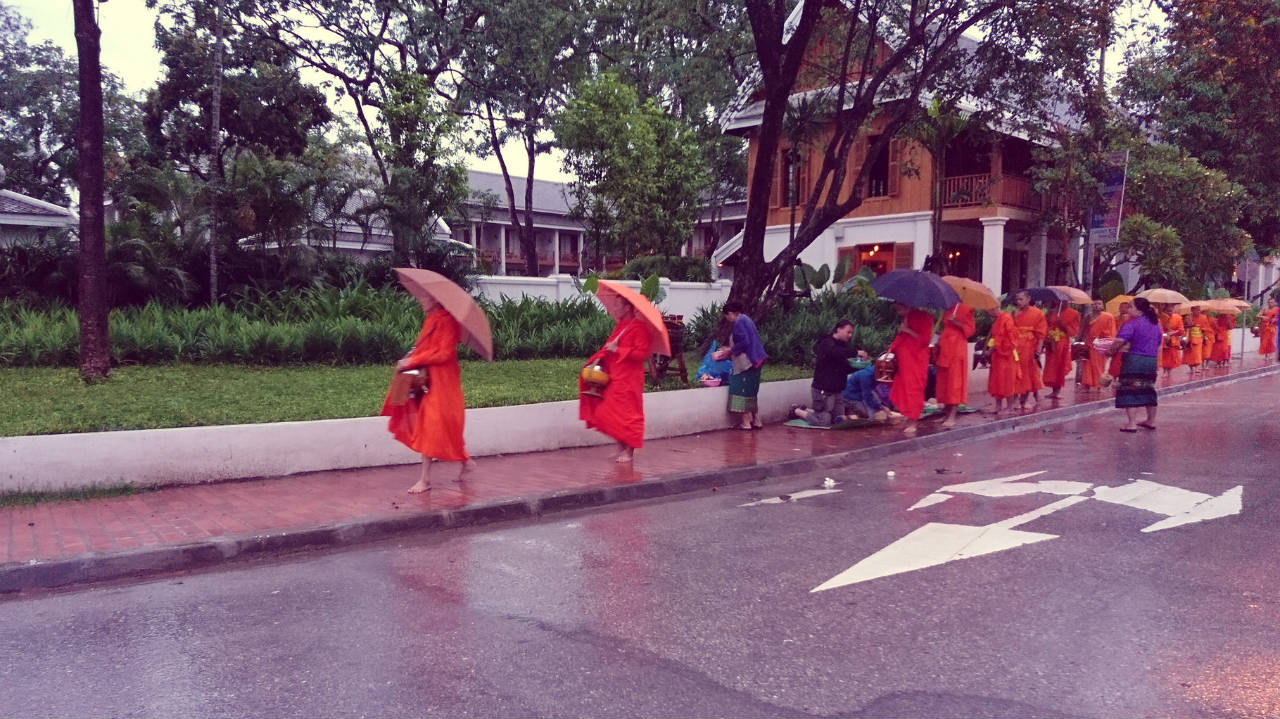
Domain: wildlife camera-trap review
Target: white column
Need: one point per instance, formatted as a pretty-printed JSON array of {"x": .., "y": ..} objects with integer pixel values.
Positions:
[
  {"x": 1036, "y": 259},
  {"x": 555, "y": 247},
  {"x": 473, "y": 234},
  {"x": 993, "y": 252},
  {"x": 922, "y": 245},
  {"x": 502, "y": 251},
  {"x": 1074, "y": 256}
]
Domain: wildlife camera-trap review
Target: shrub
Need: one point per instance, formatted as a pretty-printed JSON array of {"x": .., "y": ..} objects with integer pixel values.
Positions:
[
  {"x": 677, "y": 269},
  {"x": 789, "y": 335}
]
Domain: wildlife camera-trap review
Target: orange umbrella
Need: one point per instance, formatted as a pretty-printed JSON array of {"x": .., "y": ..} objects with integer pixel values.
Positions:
[
  {"x": 1222, "y": 307},
  {"x": 1185, "y": 307},
  {"x": 1161, "y": 296},
  {"x": 427, "y": 286},
  {"x": 1074, "y": 296},
  {"x": 972, "y": 293},
  {"x": 617, "y": 297}
]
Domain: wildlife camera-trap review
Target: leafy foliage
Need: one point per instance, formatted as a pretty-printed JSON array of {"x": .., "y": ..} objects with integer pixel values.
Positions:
[
  {"x": 789, "y": 337},
  {"x": 1210, "y": 85},
  {"x": 1154, "y": 248},
  {"x": 676, "y": 269},
  {"x": 639, "y": 171},
  {"x": 39, "y": 114}
]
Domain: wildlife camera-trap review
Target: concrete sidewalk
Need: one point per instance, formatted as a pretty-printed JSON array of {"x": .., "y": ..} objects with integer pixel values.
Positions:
[{"x": 63, "y": 543}]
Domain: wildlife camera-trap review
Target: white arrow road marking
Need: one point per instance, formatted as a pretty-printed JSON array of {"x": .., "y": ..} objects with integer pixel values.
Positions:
[
  {"x": 1151, "y": 496},
  {"x": 1224, "y": 505},
  {"x": 938, "y": 543},
  {"x": 794, "y": 495},
  {"x": 1005, "y": 487}
]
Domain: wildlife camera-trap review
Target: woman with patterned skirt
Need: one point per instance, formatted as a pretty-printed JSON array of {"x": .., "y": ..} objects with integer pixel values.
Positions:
[{"x": 1141, "y": 339}]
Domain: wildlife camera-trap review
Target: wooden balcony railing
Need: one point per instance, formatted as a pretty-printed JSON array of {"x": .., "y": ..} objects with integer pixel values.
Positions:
[{"x": 1008, "y": 190}]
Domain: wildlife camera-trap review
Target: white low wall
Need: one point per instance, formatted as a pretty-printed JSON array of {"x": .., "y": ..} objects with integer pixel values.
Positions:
[
  {"x": 190, "y": 455},
  {"x": 682, "y": 298}
]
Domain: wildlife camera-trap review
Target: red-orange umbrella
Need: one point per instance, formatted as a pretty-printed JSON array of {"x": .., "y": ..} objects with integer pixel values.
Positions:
[
  {"x": 426, "y": 286},
  {"x": 617, "y": 297}
]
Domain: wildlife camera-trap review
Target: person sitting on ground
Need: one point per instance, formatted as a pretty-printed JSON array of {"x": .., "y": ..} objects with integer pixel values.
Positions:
[
  {"x": 861, "y": 395},
  {"x": 830, "y": 369},
  {"x": 712, "y": 368}
]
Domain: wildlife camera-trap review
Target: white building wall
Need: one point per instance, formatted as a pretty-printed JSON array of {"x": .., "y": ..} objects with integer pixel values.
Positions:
[
  {"x": 911, "y": 228},
  {"x": 682, "y": 298}
]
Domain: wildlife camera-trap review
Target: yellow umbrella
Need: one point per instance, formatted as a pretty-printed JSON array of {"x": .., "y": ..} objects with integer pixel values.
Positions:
[
  {"x": 972, "y": 293},
  {"x": 1113, "y": 305},
  {"x": 1074, "y": 296},
  {"x": 1161, "y": 296},
  {"x": 1238, "y": 304}
]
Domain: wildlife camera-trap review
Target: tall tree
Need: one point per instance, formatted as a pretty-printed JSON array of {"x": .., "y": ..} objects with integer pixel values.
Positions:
[
  {"x": 1212, "y": 87},
  {"x": 39, "y": 114},
  {"x": 368, "y": 49},
  {"x": 937, "y": 130},
  {"x": 639, "y": 172},
  {"x": 95, "y": 350},
  {"x": 875, "y": 60},
  {"x": 514, "y": 83},
  {"x": 225, "y": 107},
  {"x": 689, "y": 56}
]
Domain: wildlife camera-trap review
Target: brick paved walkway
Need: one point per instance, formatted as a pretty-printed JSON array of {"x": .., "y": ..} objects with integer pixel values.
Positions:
[{"x": 186, "y": 514}]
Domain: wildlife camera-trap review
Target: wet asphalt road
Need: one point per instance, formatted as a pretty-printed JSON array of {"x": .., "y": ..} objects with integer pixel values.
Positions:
[{"x": 697, "y": 606}]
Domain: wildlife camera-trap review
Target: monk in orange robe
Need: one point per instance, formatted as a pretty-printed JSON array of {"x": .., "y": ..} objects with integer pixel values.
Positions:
[
  {"x": 1032, "y": 329},
  {"x": 1222, "y": 346},
  {"x": 1210, "y": 338},
  {"x": 1001, "y": 379},
  {"x": 1199, "y": 329},
  {"x": 952, "y": 382},
  {"x": 432, "y": 424},
  {"x": 1102, "y": 325},
  {"x": 619, "y": 411},
  {"x": 1174, "y": 328},
  {"x": 1117, "y": 359},
  {"x": 1064, "y": 326},
  {"x": 911, "y": 348},
  {"x": 1267, "y": 328}
]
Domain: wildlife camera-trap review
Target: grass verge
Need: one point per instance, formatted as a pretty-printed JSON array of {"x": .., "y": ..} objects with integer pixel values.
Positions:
[
  {"x": 23, "y": 498},
  {"x": 55, "y": 401}
]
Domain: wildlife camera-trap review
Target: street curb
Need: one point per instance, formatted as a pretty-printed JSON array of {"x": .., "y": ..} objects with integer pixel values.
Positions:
[{"x": 218, "y": 550}]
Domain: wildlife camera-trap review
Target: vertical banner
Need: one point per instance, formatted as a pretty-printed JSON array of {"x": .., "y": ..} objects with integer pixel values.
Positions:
[{"x": 1104, "y": 221}]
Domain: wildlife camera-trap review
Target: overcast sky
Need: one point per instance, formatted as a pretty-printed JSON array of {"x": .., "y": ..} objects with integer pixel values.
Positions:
[{"x": 128, "y": 50}]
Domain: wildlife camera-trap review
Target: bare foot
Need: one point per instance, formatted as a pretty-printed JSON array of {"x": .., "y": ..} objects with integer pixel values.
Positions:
[
  {"x": 468, "y": 467},
  {"x": 910, "y": 429},
  {"x": 625, "y": 456},
  {"x": 419, "y": 488},
  {"x": 948, "y": 423}
]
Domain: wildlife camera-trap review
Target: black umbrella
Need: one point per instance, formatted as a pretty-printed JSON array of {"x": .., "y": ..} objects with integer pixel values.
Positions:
[
  {"x": 1045, "y": 295},
  {"x": 915, "y": 288}
]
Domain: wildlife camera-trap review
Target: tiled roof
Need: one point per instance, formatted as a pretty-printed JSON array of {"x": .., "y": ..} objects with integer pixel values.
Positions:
[
  {"x": 547, "y": 196},
  {"x": 14, "y": 204}
]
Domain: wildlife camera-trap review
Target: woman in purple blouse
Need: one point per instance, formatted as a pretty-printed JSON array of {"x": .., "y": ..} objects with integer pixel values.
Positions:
[{"x": 1140, "y": 340}]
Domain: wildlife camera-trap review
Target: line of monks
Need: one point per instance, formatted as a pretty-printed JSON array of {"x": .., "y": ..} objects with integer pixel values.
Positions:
[
  {"x": 1017, "y": 339},
  {"x": 432, "y": 424}
]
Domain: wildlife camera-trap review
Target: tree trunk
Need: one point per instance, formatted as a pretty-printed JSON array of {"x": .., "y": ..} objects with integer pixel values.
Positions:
[
  {"x": 937, "y": 168},
  {"x": 95, "y": 352},
  {"x": 528, "y": 237}
]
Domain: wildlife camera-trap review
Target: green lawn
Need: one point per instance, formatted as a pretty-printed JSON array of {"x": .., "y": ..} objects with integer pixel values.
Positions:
[{"x": 54, "y": 401}]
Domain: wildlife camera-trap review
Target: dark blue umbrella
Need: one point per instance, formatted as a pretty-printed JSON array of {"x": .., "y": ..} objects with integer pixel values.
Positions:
[
  {"x": 1043, "y": 295},
  {"x": 915, "y": 288}
]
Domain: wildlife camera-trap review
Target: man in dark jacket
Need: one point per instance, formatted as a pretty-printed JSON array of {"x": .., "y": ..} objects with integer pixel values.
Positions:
[{"x": 830, "y": 370}]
